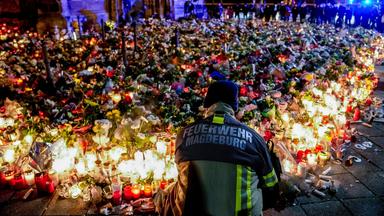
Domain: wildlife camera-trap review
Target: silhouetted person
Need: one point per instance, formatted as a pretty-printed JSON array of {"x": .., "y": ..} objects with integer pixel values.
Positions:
[
  {"x": 303, "y": 12},
  {"x": 295, "y": 12},
  {"x": 348, "y": 15}
]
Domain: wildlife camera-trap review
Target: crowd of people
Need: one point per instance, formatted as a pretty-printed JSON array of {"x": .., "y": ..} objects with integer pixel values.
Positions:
[{"x": 367, "y": 16}]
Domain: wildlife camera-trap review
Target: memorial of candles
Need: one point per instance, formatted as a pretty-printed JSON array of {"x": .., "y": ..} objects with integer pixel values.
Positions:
[{"x": 115, "y": 136}]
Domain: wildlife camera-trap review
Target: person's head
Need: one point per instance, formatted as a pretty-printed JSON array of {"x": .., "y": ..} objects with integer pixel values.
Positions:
[{"x": 222, "y": 91}]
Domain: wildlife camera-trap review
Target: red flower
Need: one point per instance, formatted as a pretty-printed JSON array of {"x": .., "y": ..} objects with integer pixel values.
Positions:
[
  {"x": 128, "y": 98},
  {"x": 89, "y": 93},
  {"x": 368, "y": 102},
  {"x": 110, "y": 73},
  {"x": 82, "y": 129},
  {"x": 300, "y": 156},
  {"x": 319, "y": 148},
  {"x": 20, "y": 116},
  {"x": 356, "y": 115},
  {"x": 2, "y": 109},
  {"x": 243, "y": 91},
  {"x": 307, "y": 151},
  {"x": 268, "y": 135}
]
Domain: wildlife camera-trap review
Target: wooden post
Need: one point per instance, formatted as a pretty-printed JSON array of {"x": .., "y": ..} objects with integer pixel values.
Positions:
[
  {"x": 102, "y": 29},
  {"x": 177, "y": 37},
  {"x": 124, "y": 52},
  {"x": 135, "y": 34},
  {"x": 46, "y": 63},
  {"x": 79, "y": 23}
]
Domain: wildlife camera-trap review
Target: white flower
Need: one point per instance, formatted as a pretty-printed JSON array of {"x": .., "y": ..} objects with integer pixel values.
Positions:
[{"x": 161, "y": 147}]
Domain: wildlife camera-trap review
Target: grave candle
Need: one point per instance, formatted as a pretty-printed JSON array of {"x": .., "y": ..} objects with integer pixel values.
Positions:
[
  {"x": 147, "y": 190},
  {"x": 116, "y": 197},
  {"x": 9, "y": 175},
  {"x": 311, "y": 159},
  {"x": 75, "y": 191},
  {"x": 136, "y": 191},
  {"x": 323, "y": 158},
  {"x": 128, "y": 193},
  {"x": 163, "y": 184},
  {"x": 29, "y": 177},
  {"x": 17, "y": 182},
  {"x": 50, "y": 186},
  {"x": 40, "y": 180}
]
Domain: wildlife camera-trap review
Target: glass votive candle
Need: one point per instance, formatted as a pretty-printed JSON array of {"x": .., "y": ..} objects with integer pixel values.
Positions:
[
  {"x": 8, "y": 176},
  {"x": 29, "y": 177},
  {"x": 136, "y": 191},
  {"x": 147, "y": 190},
  {"x": 75, "y": 191},
  {"x": 50, "y": 186},
  {"x": 301, "y": 169},
  {"x": 18, "y": 182},
  {"x": 323, "y": 158},
  {"x": 163, "y": 184},
  {"x": 40, "y": 181},
  {"x": 116, "y": 198},
  {"x": 128, "y": 193},
  {"x": 116, "y": 188},
  {"x": 311, "y": 159}
]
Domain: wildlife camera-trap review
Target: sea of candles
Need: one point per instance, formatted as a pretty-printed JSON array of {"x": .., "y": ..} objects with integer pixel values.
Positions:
[{"x": 137, "y": 168}]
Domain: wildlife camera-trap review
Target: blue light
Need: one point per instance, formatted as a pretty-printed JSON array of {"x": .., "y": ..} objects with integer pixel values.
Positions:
[
  {"x": 367, "y": 2},
  {"x": 350, "y": 1}
]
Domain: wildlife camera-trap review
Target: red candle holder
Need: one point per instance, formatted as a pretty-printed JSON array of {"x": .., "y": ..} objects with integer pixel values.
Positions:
[
  {"x": 18, "y": 182},
  {"x": 41, "y": 181},
  {"x": 128, "y": 195},
  {"x": 163, "y": 184},
  {"x": 116, "y": 199},
  {"x": 3, "y": 181},
  {"x": 147, "y": 191},
  {"x": 50, "y": 186},
  {"x": 8, "y": 176},
  {"x": 136, "y": 191}
]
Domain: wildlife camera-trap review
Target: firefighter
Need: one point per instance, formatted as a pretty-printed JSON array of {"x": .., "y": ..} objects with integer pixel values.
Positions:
[{"x": 224, "y": 166}]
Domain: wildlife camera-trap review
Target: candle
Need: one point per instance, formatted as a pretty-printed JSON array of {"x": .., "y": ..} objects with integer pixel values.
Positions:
[
  {"x": 116, "y": 199},
  {"x": 147, "y": 190},
  {"x": 128, "y": 193},
  {"x": 253, "y": 69},
  {"x": 75, "y": 191},
  {"x": 356, "y": 115},
  {"x": 301, "y": 169},
  {"x": 17, "y": 182},
  {"x": 40, "y": 180},
  {"x": 163, "y": 184},
  {"x": 311, "y": 159},
  {"x": 29, "y": 177},
  {"x": 50, "y": 186},
  {"x": 323, "y": 158},
  {"x": 8, "y": 175},
  {"x": 136, "y": 191},
  {"x": 287, "y": 166},
  {"x": 3, "y": 181}
]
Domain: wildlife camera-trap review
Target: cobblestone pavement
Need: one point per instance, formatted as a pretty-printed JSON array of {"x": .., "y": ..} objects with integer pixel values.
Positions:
[{"x": 360, "y": 186}]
